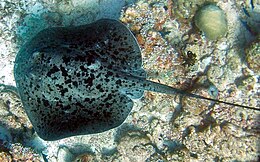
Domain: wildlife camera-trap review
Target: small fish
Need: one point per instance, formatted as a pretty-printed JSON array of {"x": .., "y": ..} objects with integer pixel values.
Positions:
[{"x": 82, "y": 80}]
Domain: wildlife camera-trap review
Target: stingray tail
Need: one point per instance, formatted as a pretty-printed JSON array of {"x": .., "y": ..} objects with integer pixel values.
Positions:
[{"x": 161, "y": 88}]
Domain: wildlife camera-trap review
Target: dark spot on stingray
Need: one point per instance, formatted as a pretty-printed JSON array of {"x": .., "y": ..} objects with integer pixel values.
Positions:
[
  {"x": 98, "y": 86},
  {"x": 83, "y": 68},
  {"x": 64, "y": 72},
  {"x": 119, "y": 82},
  {"x": 45, "y": 102},
  {"x": 99, "y": 75},
  {"x": 89, "y": 81},
  {"x": 85, "y": 80},
  {"x": 52, "y": 71},
  {"x": 90, "y": 60},
  {"x": 63, "y": 91},
  {"x": 101, "y": 90},
  {"x": 67, "y": 107},
  {"x": 75, "y": 83},
  {"x": 86, "y": 99},
  {"x": 67, "y": 81},
  {"x": 92, "y": 71}
]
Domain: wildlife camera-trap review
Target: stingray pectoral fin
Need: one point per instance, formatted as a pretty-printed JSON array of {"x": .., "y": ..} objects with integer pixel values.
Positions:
[
  {"x": 88, "y": 116},
  {"x": 161, "y": 88}
]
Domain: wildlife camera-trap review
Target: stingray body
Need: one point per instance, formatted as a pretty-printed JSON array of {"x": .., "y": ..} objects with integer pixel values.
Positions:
[
  {"x": 81, "y": 80},
  {"x": 76, "y": 80}
]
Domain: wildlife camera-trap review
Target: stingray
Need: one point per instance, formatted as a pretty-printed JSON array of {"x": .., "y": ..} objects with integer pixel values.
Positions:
[{"x": 82, "y": 80}]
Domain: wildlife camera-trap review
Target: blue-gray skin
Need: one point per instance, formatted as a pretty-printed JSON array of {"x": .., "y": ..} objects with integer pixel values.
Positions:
[{"x": 81, "y": 80}]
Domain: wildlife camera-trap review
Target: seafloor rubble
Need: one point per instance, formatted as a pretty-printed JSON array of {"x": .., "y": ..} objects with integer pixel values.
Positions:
[{"x": 161, "y": 127}]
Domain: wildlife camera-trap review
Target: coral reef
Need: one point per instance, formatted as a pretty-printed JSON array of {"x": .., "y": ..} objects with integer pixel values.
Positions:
[
  {"x": 160, "y": 127},
  {"x": 253, "y": 56},
  {"x": 212, "y": 21}
]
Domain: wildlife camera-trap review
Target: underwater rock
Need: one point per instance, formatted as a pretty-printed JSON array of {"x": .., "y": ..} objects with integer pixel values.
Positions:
[
  {"x": 212, "y": 21},
  {"x": 4, "y": 156},
  {"x": 22, "y": 153},
  {"x": 253, "y": 56},
  {"x": 64, "y": 154},
  {"x": 188, "y": 104},
  {"x": 138, "y": 145}
]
